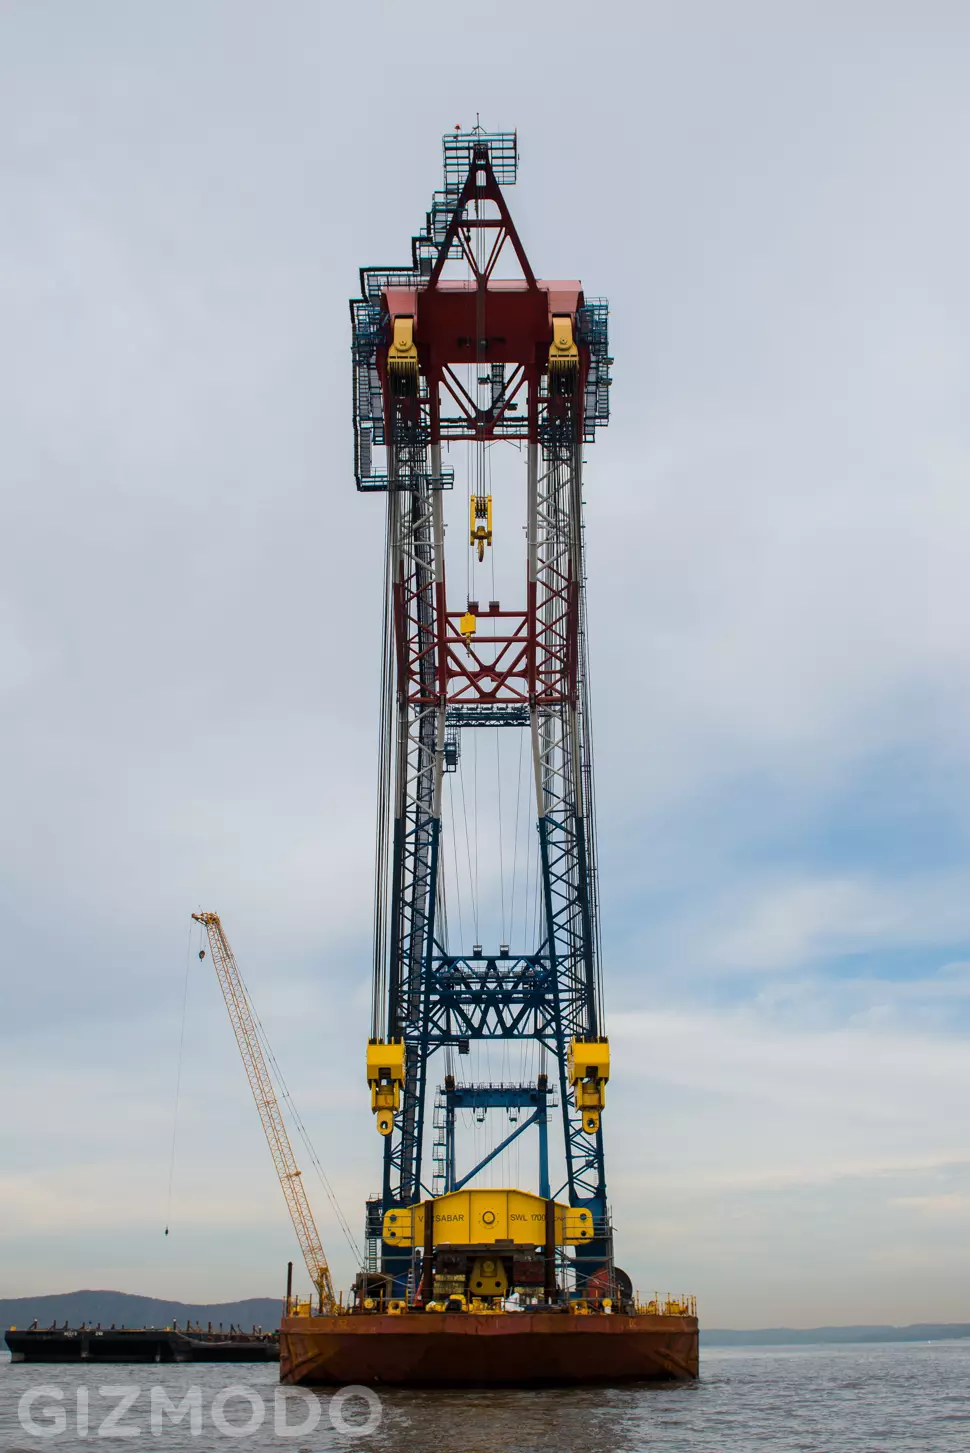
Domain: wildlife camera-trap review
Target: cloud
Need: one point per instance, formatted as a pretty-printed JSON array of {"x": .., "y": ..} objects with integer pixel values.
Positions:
[
  {"x": 779, "y": 1172},
  {"x": 857, "y": 1089},
  {"x": 189, "y": 618},
  {"x": 947, "y": 1205},
  {"x": 783, "y": 924}
]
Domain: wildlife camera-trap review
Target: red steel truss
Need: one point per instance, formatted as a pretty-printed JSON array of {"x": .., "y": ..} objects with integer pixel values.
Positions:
[{"x": 524, "y": 657}]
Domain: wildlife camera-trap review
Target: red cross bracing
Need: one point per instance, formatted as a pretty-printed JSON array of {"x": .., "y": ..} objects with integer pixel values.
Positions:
[{"x": 503, "y": 326}]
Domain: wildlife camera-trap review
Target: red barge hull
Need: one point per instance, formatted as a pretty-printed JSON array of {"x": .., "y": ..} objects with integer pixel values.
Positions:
[{"x": 466, "y": 1349}]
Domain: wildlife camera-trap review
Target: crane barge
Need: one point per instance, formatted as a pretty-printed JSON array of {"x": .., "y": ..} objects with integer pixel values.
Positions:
[{"x": 459, "y": 355}]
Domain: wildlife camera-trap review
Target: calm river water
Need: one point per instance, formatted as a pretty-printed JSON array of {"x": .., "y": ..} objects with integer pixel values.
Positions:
[{"x": 880, "y": 1399}]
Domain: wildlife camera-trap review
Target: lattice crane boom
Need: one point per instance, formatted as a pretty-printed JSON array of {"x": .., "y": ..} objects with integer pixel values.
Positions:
[{"x": 261, "y": 1084}]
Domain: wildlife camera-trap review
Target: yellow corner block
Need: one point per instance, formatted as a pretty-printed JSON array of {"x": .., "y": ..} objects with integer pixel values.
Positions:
[
  {"x": 403, "y": 1226},
  {"x": 385, "y": 1075},
  {"x": 577, "y": 1226}
]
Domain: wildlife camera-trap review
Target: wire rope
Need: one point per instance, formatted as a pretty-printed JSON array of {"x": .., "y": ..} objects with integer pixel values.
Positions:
[
  {"x": 515, "y": 839},
  {"x": 536, "y": 916},
  {"x": 473, "y": 885},
  {"x": 178, "y": 1079},
  {"x": 475, "y": 821},
  {"x": 454, "y": 845},
  {"x": 288, "y": 1100},
  {"x": 586, "y": 739},
  {"x": 441, "y": 922},
  {"x": 488, "y": 462},
  {"x": 384, "y": 758},
  {"x": 526, "y": 898},
  {"x": 501, "y": 849}
]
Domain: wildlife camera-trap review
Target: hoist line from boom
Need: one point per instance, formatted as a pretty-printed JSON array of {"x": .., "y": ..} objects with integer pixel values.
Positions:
[
  {"x": 304, "y": 1134},
  {"x": 178, "y": 1082}
]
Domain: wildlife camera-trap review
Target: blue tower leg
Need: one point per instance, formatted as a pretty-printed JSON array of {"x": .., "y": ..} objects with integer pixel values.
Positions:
[{"x": 543, "y": 1120}]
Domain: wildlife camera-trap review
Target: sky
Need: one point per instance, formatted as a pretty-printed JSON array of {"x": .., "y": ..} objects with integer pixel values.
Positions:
[{"x": 773, "y": 199}]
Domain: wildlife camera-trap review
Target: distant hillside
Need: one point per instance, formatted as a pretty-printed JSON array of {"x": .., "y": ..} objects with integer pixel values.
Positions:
[
  {"x": 792, "y": 1337},
  {"x": 120, "y": 1308}
]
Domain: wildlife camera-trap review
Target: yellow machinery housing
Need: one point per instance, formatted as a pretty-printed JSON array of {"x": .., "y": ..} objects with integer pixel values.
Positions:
[
  {"x": 385, "y": 1075},
  {"x": 484, "y": 1217},
  {"x": 563, "y": 351},
  {"x": 488, "y": 1278},
  {"x": 588, "y": 1070},
  {"x": 402, "y": 359}
]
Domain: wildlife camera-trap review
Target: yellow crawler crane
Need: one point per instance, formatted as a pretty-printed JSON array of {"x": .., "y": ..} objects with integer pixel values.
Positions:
[{"x": 261, "y": 1084}]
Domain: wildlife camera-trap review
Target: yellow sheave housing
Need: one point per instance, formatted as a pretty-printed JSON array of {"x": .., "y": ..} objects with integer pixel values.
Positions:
[
  {"x": 483, "y": 1217},
  {"x": 563, "y": 351},
  {"x": 588, "y": 1070},
  {"x": 385, "y": 1075},
  {"x": 402, "y": 358}
]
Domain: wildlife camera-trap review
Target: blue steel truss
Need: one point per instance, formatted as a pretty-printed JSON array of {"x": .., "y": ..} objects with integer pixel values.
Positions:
[
  {"x": 592, "y": 327},
  {"x": 453, "y": 1097},
  {"x": 493, "y": 997},
  {"x": 414, "y": 858},
  {"x": 460, "y": 148}
]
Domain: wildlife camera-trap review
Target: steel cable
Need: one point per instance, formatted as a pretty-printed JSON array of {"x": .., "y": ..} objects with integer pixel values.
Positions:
[{"x": 178, "y": 1078}]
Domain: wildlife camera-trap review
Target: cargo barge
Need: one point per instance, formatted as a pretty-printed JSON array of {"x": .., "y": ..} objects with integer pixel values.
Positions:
[{"x": 139, "y": 1344}]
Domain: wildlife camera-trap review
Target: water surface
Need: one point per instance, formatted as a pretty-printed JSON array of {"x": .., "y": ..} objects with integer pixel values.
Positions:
[{"x": 870, "y": 1398}]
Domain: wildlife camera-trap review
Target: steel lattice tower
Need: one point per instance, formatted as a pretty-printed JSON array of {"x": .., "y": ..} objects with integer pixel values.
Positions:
[{"x": 540, "y": 356}]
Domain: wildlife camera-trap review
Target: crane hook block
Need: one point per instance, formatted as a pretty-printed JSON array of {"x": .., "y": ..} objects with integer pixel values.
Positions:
[
  {"x": 385, "y": 1075},
  {"x": 402, "y": 359},
  {"x": 588, "y": 1070},
  {"x": 480, "y": 523}
]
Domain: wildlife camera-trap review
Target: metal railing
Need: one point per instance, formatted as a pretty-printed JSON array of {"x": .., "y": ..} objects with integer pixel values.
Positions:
[{"x": 658, "y": 1306}]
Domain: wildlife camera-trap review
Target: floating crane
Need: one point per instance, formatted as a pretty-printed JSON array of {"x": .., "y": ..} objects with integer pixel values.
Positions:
[
  {"x": 261, "y": 1084},
  {"x": 450, "y": 355},
  {"x": 477, "y": 386}
]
